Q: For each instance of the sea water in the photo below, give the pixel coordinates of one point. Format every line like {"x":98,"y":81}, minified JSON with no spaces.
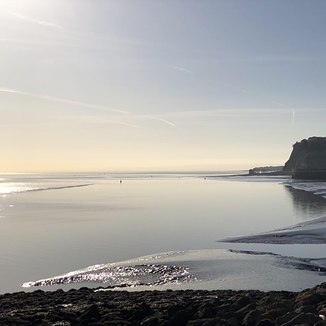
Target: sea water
{"x":54,"y":224}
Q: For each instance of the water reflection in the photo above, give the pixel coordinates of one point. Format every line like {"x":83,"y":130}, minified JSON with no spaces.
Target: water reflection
{"x":307,"y":204}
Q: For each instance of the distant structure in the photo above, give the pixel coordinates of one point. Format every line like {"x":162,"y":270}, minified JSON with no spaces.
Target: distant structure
{"x":308,"y":159}
{"x":266,"y":170}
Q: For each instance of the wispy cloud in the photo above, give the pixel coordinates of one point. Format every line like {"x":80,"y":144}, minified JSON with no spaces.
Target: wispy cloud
{"x":36,"y":21}
{"x":170,"y":123}
{"x":268,"y":59}
{"x":237,"y":112}
{"x":61,"y":100}
{"x":235,"y":87}
{"x":89,"y":119}
{"x":293,"y":117}
{"x":284,"y":58}
{"x":279,"y":104}
{"x":182,"y":69}
{"x":287,"y":107}
{"x":126,"y":114}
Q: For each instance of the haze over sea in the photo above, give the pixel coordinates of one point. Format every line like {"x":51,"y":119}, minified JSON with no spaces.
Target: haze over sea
{"x":52,"y":224}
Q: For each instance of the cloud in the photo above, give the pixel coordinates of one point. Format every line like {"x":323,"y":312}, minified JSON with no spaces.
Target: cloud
{"x":36,"y":21}
{"x":126,"y":114}
{"x":293,"y":117}
{"x":103,"y":120}
{"x":61,"y":100}
{"x":182,"y":69}
{"x":233,"y":112}
{"x":266,"y":99}
{"x":170,"y":123}
{"x":239,"y":89}
{"x":285,"y":58}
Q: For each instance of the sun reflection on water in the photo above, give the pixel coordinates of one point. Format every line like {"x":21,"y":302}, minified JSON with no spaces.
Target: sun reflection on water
{"x":12,"y":187}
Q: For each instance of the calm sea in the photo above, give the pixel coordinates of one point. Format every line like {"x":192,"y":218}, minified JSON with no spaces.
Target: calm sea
{"x":53,"y":224}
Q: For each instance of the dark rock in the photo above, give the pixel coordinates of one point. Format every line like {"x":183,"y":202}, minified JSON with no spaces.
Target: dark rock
{"x":308,"y":159}
{"x":151,"y":308}
{"x":274,"y":313}
{"x":140,"y":311}
{"x":251,"y":318}
{"x":287,"y":317}
{"x":206,"y":310}
{"x":309,"y":319}
{"x":245,"y":310}
{"x":306,"y":309}
{"x":265,"y":322}
{"x":150,"y":321}
{"x":180,"y":318}
{"x":233,"y":322}
{"x":321,"y":292}
{"x":206,"y":322}
{"x":307,"y":299}
{"x":243,"y":301}
{"x":321,"y":323}
{"x":91,"y":314}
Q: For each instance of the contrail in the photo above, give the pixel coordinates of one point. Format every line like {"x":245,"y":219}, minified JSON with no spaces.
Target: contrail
{"x":182,"y":69}
{"x":122,"y":123}
{"x":36,"y":21}
{"x":242,"y":90}
{"x":61,"y":100}
{"x":160,"y":119}
{"x":293,"y":116}
{"x":87,"y":105}
{"x":272,"y":101}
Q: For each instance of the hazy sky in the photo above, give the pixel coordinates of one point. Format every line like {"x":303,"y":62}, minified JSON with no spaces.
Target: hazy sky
{"x":159,"y":85}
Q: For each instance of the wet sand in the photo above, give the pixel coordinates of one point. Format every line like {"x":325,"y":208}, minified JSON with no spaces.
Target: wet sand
{"x":310,"y":232}
{"x":210,"y":269}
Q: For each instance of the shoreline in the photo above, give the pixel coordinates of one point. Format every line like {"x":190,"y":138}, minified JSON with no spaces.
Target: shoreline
{"x":309,"y":232}
{"x":209,"y":269}
{"x":188,"y":307}
{"x":242,"y":306}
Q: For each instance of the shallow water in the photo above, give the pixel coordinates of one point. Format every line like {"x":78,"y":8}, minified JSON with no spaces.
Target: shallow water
{"x":197,"y":269}
{"x":74,"y":221}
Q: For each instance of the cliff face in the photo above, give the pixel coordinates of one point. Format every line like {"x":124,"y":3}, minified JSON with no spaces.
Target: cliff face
{"x":308,"y":159}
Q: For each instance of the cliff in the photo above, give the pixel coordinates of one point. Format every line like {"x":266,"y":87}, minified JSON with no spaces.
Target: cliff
{"x":308,"y":159}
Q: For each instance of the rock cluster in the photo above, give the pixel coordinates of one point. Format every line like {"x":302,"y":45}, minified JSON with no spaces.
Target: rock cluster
{"x":308,"y":159}
{"x":150,"y":308}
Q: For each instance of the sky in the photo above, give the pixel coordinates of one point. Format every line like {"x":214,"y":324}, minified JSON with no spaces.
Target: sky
{"x":136,"y":85}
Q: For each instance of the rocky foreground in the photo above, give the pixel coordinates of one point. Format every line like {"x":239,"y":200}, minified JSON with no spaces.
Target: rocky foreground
{"x":190,"y":307}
